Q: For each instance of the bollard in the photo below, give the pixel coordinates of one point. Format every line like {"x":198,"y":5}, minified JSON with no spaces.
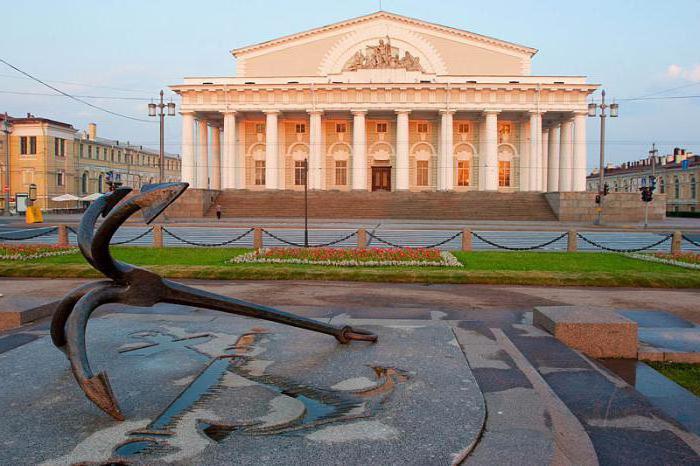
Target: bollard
{"x":676,"y":242}
{"x":571,"y":243}
{"x":63,"y":236}
{"x":361,"y":238}
{"x":466,"y":240}
{"x":257,"y":238}
{"x":158,"y":236}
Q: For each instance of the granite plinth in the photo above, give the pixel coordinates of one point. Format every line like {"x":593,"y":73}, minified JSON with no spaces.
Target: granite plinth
{"x":596,"y":332}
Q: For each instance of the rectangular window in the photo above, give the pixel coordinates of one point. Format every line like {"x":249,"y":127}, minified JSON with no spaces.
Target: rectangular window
{"x":299,"y":172}
{"x":112,"y":155}
{"x":504,"y":173}
{"x":300,"y":128}
{"x":23,"y":145}
{"x":341,"y":128}
{"x":422,"y":173}
{"x":422,"y":128}
{"x":56,"y":150}
{"x":260,"y":173}
{"x":60,"y":179}
{"x":104,"y":153}
{"x":463,"y":173}
{"x":63,"y":147}
{"x":80,"y":151}
{"x":341,"y":172}
{"x":463,"y":128}
{"x":259,"y":128}
{"x":381,"y":127}
{"x":32,"y":144}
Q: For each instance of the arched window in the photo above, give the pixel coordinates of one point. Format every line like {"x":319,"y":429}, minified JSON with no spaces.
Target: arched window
{"x":505,"y":160}
{"x":100,"y":179}
{"x":84,"y":183}
{"x":676,"y":187}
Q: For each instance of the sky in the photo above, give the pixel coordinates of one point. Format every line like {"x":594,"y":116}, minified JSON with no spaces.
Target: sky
{"x":125,"y":51}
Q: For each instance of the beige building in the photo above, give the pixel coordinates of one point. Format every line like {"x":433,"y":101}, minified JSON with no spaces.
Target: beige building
{"x":677,"y":176}
{"x":61,"y":160}
{"x":385,"y":102}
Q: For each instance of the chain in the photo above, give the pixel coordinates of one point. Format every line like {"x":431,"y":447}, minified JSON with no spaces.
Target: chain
{"x":299,"y":245}
{"x":394,"y":245}
{"x":331,"y":243}
{"x":72,"y":230}
{"x":134,"y":238}
{"x":696,"y":244}
{"x":529,"y":248}
{"x":47,"y":232}
{"x":598,"y":245}
{"x":223,"y":243}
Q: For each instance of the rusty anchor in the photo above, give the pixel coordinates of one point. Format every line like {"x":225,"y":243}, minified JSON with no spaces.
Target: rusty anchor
{"x":135,"y":286}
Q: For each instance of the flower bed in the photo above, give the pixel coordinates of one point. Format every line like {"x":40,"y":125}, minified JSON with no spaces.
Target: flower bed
{"x":687,"y":260}
{"x":370,"y":257}
{"x":23,"y":252}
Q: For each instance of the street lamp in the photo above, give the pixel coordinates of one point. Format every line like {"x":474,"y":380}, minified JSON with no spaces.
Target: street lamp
{"x":306,"y":203}
{"x":7,"y":128}
{"x":161,"y":113}
{"x":592,"y":111}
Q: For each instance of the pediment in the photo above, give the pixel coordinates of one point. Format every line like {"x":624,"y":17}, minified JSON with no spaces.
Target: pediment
{"x":396,"y":45}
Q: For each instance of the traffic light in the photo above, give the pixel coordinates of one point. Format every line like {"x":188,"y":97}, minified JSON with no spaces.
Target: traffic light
{"x":597,"y":198}
{"x":647,"y":194}
{"x":652,"y":182}
{"x":606,"y":189}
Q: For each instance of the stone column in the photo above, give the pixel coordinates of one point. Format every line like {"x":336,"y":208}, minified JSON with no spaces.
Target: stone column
{"x":271,"y":150}
{"x":578,"y":174}
{"x":187,"y":163}
{"x":402,"y":166}
{"x":553,"y":159}
{"x":545,"y":161}
{"x":316,"y":152}
{"x":229,"y":167}
{"x":535,"y":134}
{"x":524,"y":150}
{"x":446,"y":157}
{"x":490,"y":161}
{"x":215,"y":157}
{"x":565,"y":156}
{"x":203,"y":154}
{"x":359,"y":150}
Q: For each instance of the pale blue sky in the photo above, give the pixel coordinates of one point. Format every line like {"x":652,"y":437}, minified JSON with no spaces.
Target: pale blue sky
{"x":134,"y":47}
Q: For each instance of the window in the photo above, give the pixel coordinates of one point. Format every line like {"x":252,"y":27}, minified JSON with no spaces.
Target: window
{"x":662,"y":186}
{"x":60,"y":178}
{"x":59,"y":147}
{"x":300,"y":128}
{"x":341,"y":128}
{"x":259,"y":172}
{"x":299,"y":172}
{"x":504,"y":173}
{"x":112,"y":155}
{"x":341,"y":172}
{"x":381,"y":127}
{"x":422,"y":128}
{"x":84,"y":183}
{"x":104,"y":153}
{"x":89,"y":152}
{"x":422,"y":173}
{"x":463,"y":128}
{"x":81,"y":151}
{"x":463,"y":173}
{"x":693,"y":188}
{"x":259,"y":128}
{"x":676,"y":187}
{"x":27,"y":145}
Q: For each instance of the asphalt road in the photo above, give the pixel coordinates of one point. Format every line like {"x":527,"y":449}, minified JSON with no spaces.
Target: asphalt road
{"x":377,"y":237}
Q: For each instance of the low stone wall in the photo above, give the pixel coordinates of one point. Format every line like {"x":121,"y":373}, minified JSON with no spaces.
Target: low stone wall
{"x":193,"y":203}
{"x":617,"y":207}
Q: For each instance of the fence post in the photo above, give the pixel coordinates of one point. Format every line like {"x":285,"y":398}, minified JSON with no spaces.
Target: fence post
{"x":158,"y":236}
{"x":361,"y":238}
{"x":571,"y":243}
{"x":676,"y":242}
{"x":63,"y":235}
{"x":257,"y":238}
{"x":466,"y":239}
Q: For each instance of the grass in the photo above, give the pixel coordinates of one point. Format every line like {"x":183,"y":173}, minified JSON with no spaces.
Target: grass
{"x":685,"y":375}
{"x":487,"y":267}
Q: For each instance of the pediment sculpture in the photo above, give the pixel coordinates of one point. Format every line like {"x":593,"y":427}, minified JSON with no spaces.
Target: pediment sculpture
{"x":383,"y":56}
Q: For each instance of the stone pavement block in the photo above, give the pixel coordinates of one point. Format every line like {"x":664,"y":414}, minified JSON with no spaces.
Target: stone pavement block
{"x":597,"y":332}
{"x":18,"y":310}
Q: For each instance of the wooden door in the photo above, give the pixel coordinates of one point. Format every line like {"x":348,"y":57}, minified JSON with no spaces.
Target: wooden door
{"x":381,"y":178}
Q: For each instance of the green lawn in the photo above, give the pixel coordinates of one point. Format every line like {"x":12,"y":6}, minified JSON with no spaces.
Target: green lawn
{"x":685,"y":375}
{"x":487,"y":267}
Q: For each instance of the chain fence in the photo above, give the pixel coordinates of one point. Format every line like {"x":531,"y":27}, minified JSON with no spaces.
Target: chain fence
{"x":50,"y":231}
{"x":135,"y":238}
{"x":517,"y":248}
{"x":606,"y":248}
{"x":301,"y":245}
{"x":694,"y":243}
{"x":211,"y":245}
{"x":399,"y":246}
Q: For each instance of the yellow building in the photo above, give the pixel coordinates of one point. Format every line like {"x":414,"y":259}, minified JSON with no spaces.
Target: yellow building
{"x":59,"y":159}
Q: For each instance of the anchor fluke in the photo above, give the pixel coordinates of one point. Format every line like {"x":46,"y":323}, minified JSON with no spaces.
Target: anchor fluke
{"x":99,"y":390}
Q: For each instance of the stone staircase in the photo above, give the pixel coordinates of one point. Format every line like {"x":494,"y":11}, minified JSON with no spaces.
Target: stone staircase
{"x":518,"y":206}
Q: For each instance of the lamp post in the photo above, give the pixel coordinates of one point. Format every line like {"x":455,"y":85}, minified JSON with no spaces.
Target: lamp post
{"x":161,"y":113}
{"x":652,"y":181}
{"x":6,"y":128}
{"x":592,"y":111}
{"x":306,"y":203}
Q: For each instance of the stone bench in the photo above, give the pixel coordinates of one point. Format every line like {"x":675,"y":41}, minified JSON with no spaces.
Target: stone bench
{"x":595,"y":331}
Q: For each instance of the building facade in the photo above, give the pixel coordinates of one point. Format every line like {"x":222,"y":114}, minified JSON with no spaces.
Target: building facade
{"x":677,"y":176}
{"x":59,"y":159}
{"x":385,"y":102}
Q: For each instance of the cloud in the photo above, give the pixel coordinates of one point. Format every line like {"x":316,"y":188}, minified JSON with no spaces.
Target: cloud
{"x":691,"y":73}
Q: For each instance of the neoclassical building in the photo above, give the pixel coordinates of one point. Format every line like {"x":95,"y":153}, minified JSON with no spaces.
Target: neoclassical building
{"x":385,"y":102}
